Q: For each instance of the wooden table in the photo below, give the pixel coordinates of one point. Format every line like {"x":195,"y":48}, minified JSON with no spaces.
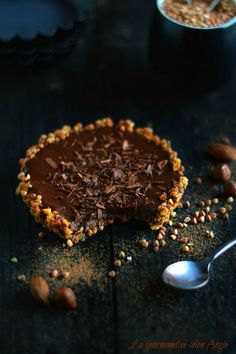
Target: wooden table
{"x":109,"y":74}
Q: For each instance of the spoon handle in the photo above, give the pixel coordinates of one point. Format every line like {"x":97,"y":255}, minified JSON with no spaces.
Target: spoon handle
{"x":223,"y":248}
{"x":213,"y":5}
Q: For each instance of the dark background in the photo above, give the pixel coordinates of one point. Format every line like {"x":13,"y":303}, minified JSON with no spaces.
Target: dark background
{"x":114,"y":71}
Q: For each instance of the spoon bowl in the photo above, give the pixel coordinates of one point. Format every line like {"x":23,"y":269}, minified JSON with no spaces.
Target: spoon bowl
{"x":191,"y":275}
{"x":188,"y":275}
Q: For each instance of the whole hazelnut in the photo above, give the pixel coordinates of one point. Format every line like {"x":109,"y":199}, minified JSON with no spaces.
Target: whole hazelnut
{"x":230,"y":189}
{"x":221,"y":173}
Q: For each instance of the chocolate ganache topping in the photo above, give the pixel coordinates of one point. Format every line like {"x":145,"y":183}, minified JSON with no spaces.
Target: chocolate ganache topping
{"x":100,"y":174}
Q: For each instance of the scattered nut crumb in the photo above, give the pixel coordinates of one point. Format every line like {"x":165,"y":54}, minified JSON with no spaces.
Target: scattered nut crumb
{"x":112,"y":274}
{"x":184,"y":239}
{"x":156,"y":249}
{"x":122,"y":254}
{"x":228,"y":207}
{"x":54,"y":273}
{"x":155,"y":243}
{"x":69,"y":243}
{"x":215,"y":200}
{"x":187,"y":219}
{"x":41,"y":234}
{"x":117,"y":263}
{"x":14,"y":260}
{"x":185,"y":248}
{"x":201,"y":218}
{"x":173,"y":237}
{"x":201,"y":203}
{"x":210,"y":234}
{"x":144,"y":243}
{"x":230,"y":200}
{"x":65,"y":274}
{"x":222,"y":210}
{"x":213,"y":215}
{"x":160,"y":237}
{"x":21,"y":277}
{"x":198,"y":180}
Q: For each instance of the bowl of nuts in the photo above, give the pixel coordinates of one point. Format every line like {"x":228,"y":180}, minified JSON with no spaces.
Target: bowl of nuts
{"x":191,"y":48}
{"x":199,"y":14}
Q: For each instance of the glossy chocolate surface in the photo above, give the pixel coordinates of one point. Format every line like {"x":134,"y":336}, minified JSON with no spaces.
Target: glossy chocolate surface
{"x":102,"y":173}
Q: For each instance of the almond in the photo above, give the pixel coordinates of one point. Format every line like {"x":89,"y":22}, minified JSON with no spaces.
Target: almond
{"x":39,"y":290}
{"x":222,"y":152}
{"x":65,"y":298}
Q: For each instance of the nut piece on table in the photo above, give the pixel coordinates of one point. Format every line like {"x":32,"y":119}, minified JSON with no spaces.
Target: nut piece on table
{"x":39,"y":290}
{"x":65,"y":298}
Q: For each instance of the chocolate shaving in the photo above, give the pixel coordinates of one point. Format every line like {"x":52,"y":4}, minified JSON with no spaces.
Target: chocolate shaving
{"x":125,"y":145}
{"x":118,"y":173}
{"x":100,"y":206}
{"x":162,"y":164}
{"x":51,"y":162}
{"x":99,"y":212}
{"x":149,"y":170}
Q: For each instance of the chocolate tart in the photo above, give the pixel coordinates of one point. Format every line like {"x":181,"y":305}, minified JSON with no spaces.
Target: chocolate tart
{"x":77,"y":180}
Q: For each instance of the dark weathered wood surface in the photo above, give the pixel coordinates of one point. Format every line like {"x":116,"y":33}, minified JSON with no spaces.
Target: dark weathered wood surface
{"x":109,"y":73}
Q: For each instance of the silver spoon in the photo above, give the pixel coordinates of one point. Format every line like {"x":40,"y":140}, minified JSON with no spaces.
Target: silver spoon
{"x":191,"y":275}
{"x":213,"y":5}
